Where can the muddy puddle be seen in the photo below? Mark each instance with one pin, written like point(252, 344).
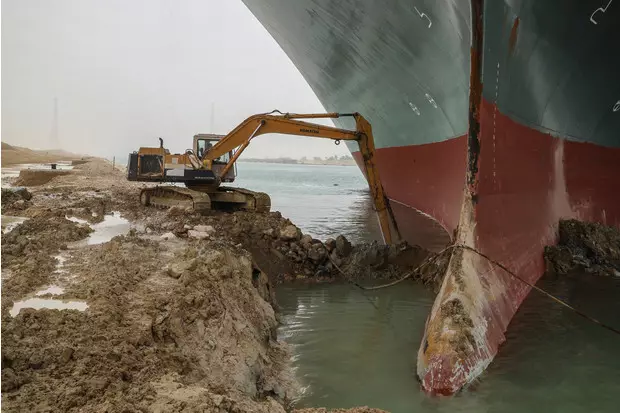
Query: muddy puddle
point(104, 231)
point(47, 303)
point(9, 223)
point(51, 290)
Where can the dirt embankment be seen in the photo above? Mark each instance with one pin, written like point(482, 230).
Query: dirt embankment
point(585, 247)
point(180, 315)
point(12, 155)
point(171, 325)
point(281, 249)
point(196, 339)
point(35, 178)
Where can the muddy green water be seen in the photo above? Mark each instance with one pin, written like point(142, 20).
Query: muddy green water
point(352, 348)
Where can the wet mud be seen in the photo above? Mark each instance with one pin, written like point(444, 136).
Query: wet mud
point(174, 314)
point(585, 247)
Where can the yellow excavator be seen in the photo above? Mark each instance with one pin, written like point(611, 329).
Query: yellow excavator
point(211, 162)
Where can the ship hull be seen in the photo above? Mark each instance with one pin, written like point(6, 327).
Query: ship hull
point(493, 121)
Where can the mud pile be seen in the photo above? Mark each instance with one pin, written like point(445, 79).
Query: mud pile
point(15, 199)
point(585, 247)
point(29, 177)
point(281, 249)
point(171, 326)
point(28, 251)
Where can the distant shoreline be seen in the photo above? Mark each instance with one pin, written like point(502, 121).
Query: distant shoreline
point(287, 161)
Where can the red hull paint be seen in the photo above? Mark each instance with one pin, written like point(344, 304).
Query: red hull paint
point(425, 184)
point(527, 181)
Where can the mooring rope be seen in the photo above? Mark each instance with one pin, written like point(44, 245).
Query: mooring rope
point(492, 261)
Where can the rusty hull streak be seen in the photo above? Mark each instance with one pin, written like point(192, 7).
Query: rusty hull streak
point(514, 34)
point(475, 96)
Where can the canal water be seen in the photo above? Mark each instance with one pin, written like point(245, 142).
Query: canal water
point(324, 200)
point(353, 347)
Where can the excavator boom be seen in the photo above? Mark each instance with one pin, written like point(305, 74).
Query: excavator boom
point(289, 124)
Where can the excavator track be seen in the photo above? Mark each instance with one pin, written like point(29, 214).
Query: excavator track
point(169, 196)
point(224, 198)
point(255, 201)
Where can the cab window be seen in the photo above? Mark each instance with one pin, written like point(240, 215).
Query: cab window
point(204, 145)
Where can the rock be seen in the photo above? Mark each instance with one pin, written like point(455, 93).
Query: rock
point(99, 383)
point(321, 271)
point(24, 193)
point(20, 204)
point(306, 240)
point(176, 211)
point(66, 355)
point(236, 230)
point(149, 230)
point(177, 269)
point(290, 233)
point(335, 258)
point(197, 234)
point(9, 380)
point(217, 399)
point(330, 244)
point(168, 236)
point(204, 228)
point(295, 247)
point(269, 232)
point(277, 253)
point(317, 253)
point(293, 257)
point(187, 227)
point(343, 246)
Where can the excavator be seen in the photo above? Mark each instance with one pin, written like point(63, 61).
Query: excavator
point(212, 161)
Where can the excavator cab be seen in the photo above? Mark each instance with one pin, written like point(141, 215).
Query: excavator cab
point(203, 142)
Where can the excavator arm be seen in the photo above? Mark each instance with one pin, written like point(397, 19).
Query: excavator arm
point(290, 124)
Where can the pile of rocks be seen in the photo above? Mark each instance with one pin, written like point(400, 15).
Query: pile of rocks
point(282, 250)
point(279, 245)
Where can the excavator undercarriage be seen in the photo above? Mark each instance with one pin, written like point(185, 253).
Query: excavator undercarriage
point(222, 199)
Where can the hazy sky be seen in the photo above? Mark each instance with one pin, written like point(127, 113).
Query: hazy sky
point(125, 72)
